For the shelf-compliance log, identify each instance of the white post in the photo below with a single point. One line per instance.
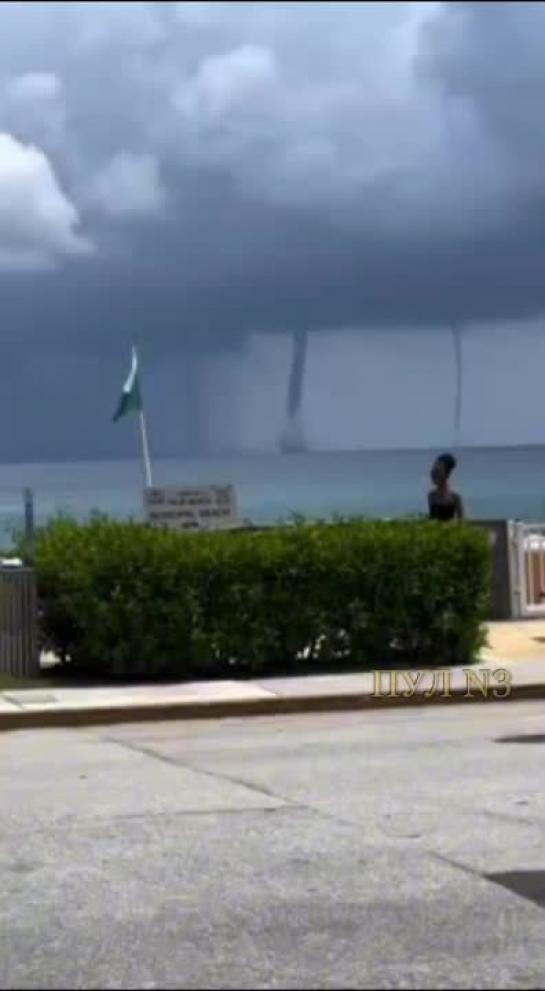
(145, 450)
(515, 566)
(522, 574)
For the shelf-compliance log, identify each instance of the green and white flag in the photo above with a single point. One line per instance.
(131, 397)
(131, 402)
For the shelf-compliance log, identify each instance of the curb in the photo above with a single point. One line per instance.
(274, 706)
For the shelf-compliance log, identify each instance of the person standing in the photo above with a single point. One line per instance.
(443, 503)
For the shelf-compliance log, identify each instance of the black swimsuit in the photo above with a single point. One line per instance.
(443, 511)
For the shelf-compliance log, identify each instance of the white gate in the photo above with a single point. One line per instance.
(528, 569)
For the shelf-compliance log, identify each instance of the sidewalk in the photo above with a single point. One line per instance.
(523, 640)
(518, 648)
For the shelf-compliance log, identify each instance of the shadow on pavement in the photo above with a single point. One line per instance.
(529, 738)
(527, 884)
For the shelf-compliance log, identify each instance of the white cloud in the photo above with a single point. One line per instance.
(234, 80)
(128, 184)
(34, 87)
(318, 107)
(38, 223)
(131, 25)
(228, 109)
(32, 108)
(377, 116)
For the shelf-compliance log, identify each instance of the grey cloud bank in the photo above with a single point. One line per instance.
(191, 175)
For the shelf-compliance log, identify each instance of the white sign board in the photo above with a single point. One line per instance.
(209, 507)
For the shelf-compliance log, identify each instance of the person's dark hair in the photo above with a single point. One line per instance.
(449, 463)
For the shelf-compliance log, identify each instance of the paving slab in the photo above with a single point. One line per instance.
(319, 685)
(148, 695)
(6, 706)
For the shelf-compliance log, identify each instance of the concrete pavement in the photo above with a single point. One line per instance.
(297, 852)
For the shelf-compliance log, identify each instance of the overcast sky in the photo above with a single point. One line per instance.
(208, 178)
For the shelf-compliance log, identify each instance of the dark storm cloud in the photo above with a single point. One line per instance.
(211, 289)
(187, 174)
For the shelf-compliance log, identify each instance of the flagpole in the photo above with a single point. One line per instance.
(131, 401)
(144, 435)
(145, 449)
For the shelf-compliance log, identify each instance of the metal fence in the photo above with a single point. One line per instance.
(528, 569)
(19, 650)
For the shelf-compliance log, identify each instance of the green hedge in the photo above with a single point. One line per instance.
(127, 600)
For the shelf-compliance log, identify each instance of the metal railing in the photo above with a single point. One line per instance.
(19, 650)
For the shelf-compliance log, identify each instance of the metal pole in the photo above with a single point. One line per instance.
(145, 450)
(30, 531)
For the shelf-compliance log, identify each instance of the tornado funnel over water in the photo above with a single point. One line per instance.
(292, 437)
(457, 341)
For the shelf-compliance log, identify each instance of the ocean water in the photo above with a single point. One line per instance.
(495, 482)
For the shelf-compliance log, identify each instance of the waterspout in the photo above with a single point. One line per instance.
(292, 438)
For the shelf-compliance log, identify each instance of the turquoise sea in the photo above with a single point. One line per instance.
(495, 482)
